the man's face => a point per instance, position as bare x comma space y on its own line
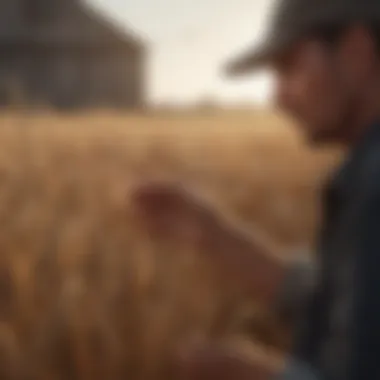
321, 87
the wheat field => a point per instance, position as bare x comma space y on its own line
84, 294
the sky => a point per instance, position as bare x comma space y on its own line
189, 42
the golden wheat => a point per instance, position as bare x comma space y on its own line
83, 293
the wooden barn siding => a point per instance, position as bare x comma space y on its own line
71, 77
67, 60
11, 18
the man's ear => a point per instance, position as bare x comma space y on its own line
357, 53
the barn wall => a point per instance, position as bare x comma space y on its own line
13, 76
114, 80
11, 18
120, 83
37, 73
104, 73
126, 79
138, 77
131, 74
71, 78
20, 16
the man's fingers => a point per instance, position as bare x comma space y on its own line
169, 211
157, 197
213, 362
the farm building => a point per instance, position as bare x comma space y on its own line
64, 54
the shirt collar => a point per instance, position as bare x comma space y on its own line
342, 180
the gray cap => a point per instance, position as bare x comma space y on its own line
291, 19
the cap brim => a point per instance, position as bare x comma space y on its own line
249, 62
259, 57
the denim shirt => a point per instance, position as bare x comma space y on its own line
339, 334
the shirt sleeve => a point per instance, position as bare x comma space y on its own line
365, 350
295, 289
296, 370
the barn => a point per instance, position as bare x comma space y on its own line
64, 54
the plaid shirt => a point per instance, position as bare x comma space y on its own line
339, 329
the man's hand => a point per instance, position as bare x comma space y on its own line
171, 212
211, 361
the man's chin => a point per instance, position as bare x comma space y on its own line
317, 136
319, 139
315, 140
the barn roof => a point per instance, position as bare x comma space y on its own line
96, 26
84, 26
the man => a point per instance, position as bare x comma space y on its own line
326, 58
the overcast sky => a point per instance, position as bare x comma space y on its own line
189, 42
